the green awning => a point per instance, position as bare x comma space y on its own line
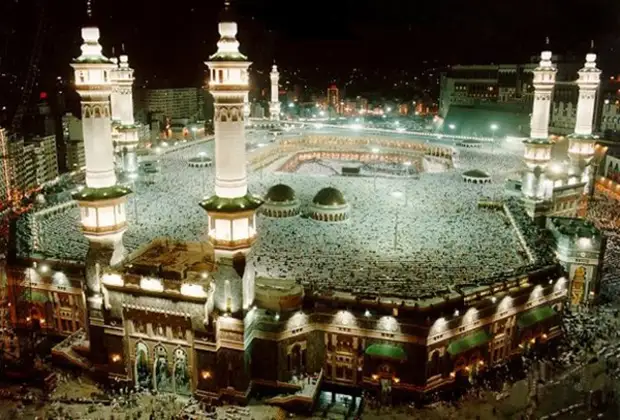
387, 351
469, 342
34, 296
535, 315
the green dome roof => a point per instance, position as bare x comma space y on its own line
329, 197
280, 193
476, 173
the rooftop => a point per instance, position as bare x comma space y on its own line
171, 260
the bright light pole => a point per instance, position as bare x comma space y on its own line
375, 151
494, 128
398, 194
407, 166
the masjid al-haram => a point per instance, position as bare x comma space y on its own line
406, 233
278, 263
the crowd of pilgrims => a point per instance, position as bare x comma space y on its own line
593, 332
425, 240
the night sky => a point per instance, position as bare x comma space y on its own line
168, 40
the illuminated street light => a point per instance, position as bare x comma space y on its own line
494, 127
452, 127
291, 105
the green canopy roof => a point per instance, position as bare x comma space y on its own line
34, 296
469, 342
387, 351
535, 315
217, 204
280, 194
99, 194
329, 197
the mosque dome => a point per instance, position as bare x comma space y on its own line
280, 193
329, 197
280, 201
329, 205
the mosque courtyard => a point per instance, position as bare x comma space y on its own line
409, 234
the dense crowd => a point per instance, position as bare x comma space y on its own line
424, 240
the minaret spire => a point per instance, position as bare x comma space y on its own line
232, 209
538, 148
102, 202
274, 104
581, 143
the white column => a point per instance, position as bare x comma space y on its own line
94, 85
115, 95
98, 149
230, 159
126, 94
544, 81
274, 105
588, 82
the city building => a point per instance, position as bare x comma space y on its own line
473, 95
26, 164
171, 103
74, 142
333, 98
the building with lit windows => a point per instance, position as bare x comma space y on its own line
171, 103
333, 97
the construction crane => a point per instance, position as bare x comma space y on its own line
32, 70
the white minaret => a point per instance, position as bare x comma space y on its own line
246, 107
102, 203
538, 148
124, 128
231, 211
581, 144
544, 81
274, 105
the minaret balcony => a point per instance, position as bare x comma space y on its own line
103, 210
232, 221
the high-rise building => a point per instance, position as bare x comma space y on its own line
26, 164
333, 97
172, 103
74, 142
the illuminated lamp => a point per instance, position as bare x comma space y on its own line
396, 380
375, 377
116, 358
205, 374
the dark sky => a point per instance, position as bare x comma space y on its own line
169, 40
